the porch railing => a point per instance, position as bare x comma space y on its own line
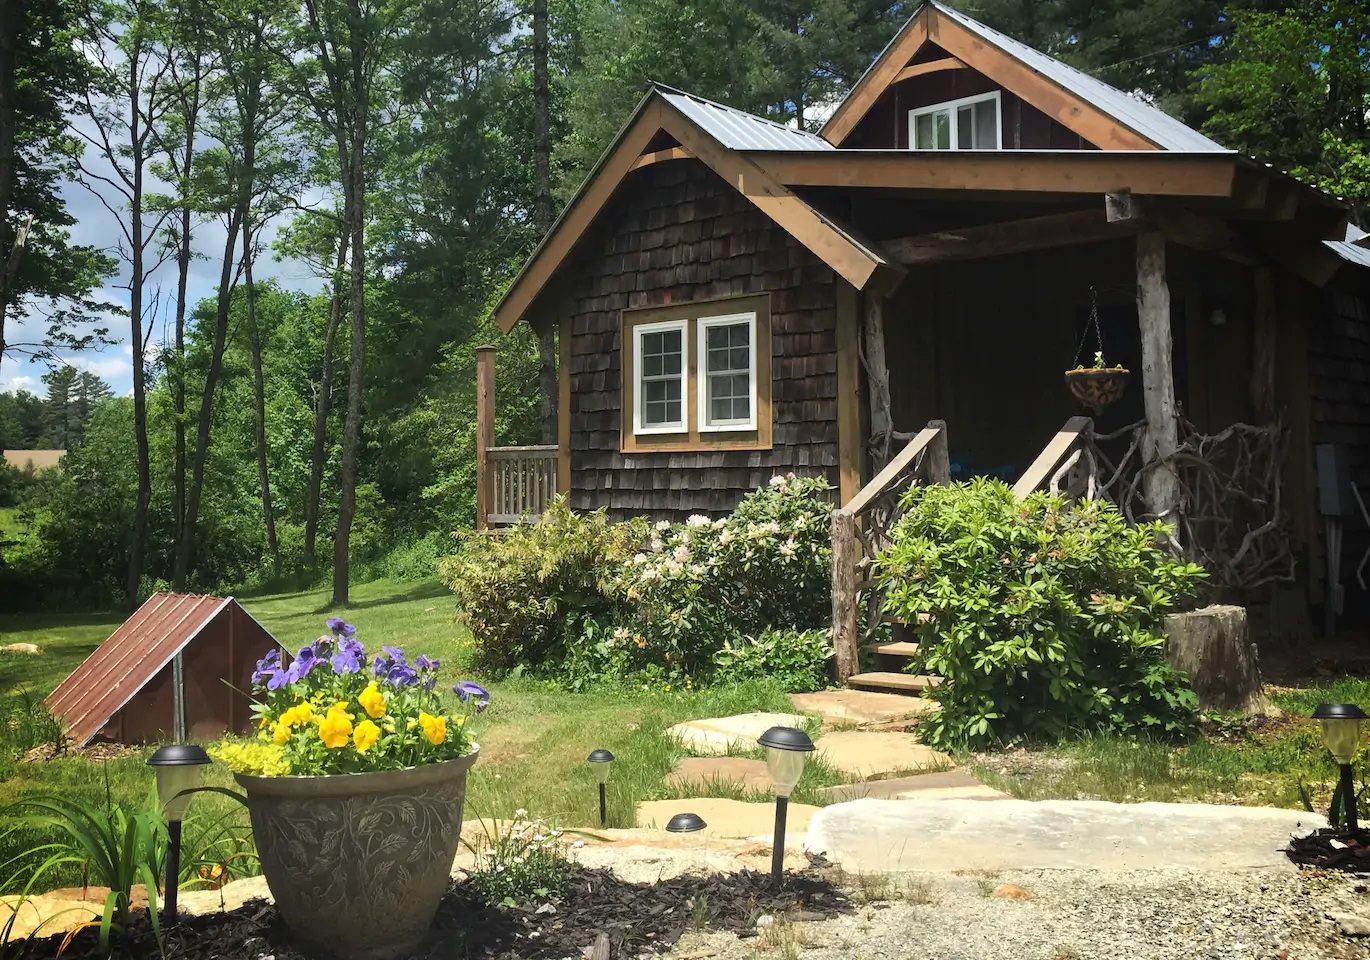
861, 528
522, 481
1070, 458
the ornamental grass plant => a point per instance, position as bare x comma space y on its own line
337, 708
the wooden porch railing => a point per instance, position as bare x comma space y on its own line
1070, 456
522, 481
861, 528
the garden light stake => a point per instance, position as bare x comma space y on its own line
599, 761
179, 768
1341, 728
787, 749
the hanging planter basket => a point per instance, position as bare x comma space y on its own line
1097, 387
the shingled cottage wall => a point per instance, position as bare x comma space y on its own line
678, 233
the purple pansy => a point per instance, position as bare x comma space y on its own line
267, 667
468, 690
401, 675
340, 627
349, 658
307, 659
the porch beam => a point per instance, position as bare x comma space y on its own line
1179, 225
1161, 487
661, 156
1087, 172
997, 239
929, 66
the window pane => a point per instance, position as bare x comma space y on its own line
654, 414
986, 125
922, 132
670, 364
654, 391
965, 127
740, 358
718, 337
720, 409
718, 360
651, 365
942, 124
673, 411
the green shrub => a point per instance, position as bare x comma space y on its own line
522, 591
523, 861
1043, 618
796, 659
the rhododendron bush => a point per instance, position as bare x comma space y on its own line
656, 602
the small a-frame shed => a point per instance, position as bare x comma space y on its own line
179, 668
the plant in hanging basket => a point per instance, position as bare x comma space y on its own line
355, 785
1097, 386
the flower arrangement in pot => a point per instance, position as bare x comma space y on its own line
355, 785
1097, 386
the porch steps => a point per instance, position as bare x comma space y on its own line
897, 649
905, 683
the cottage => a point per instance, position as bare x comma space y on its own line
903, 292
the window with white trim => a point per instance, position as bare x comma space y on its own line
970, 123
727, 365
659, 358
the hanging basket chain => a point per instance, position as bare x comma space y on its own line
1093, 322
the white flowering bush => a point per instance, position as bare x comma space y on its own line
520, 861
698, 585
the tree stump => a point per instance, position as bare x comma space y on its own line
1213, 646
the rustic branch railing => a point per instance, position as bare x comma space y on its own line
522, 481
861, 528
1071, 457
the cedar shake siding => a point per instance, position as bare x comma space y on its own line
676, 233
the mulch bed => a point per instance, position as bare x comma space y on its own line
1331, 848
96, 750
637, 919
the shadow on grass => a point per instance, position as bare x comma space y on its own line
428, 590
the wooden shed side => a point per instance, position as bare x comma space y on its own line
683, 234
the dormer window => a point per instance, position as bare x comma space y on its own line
971, 123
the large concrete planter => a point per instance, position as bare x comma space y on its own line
358, 862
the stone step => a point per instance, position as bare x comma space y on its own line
896, 682
897, 649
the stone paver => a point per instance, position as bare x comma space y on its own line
693, 772
947, 785
861, 706
44, 914
862, 753
729, 818
230, 896
716, 735
893, 835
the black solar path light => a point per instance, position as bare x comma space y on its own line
1341, 728
599, 761
179, 768
685, 823
787, 750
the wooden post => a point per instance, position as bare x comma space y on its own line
564, 408
877, 375
1263, 347
846, 555
851, 442
1158, 375
485, 431
937, 466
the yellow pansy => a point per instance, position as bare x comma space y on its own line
335, 728
280, 733
460, 720
365, 736
434, 728
372, 701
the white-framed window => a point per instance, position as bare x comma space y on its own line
659, 363
970, 123
727, 372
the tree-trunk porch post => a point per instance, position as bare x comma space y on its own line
1160, 485
485, 431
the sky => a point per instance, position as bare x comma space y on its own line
95, 225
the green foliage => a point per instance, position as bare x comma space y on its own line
118, 850
1042, 618
798, 660
519, 592
522, 862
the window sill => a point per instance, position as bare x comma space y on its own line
696, 443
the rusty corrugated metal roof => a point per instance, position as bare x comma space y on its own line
133, 655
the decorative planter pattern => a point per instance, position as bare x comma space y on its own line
1097, 388
358, 862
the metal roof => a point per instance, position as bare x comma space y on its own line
1352, 249
738, 130
135, 653
1135, 114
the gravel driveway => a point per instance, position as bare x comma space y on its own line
1073, 915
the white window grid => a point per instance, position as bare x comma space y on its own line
706, 423
951, 106
640, 332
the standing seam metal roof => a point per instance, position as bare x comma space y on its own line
738, 130
135, 653
1350, 249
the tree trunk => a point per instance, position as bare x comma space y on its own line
352, 428
138, 536
322, 401
846, 554
185, 547
259, 391
1214, 648
1158, 376
10, 13
543, 212
877, 378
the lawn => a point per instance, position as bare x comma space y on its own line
534, 738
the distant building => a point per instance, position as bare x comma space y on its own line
34, 460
